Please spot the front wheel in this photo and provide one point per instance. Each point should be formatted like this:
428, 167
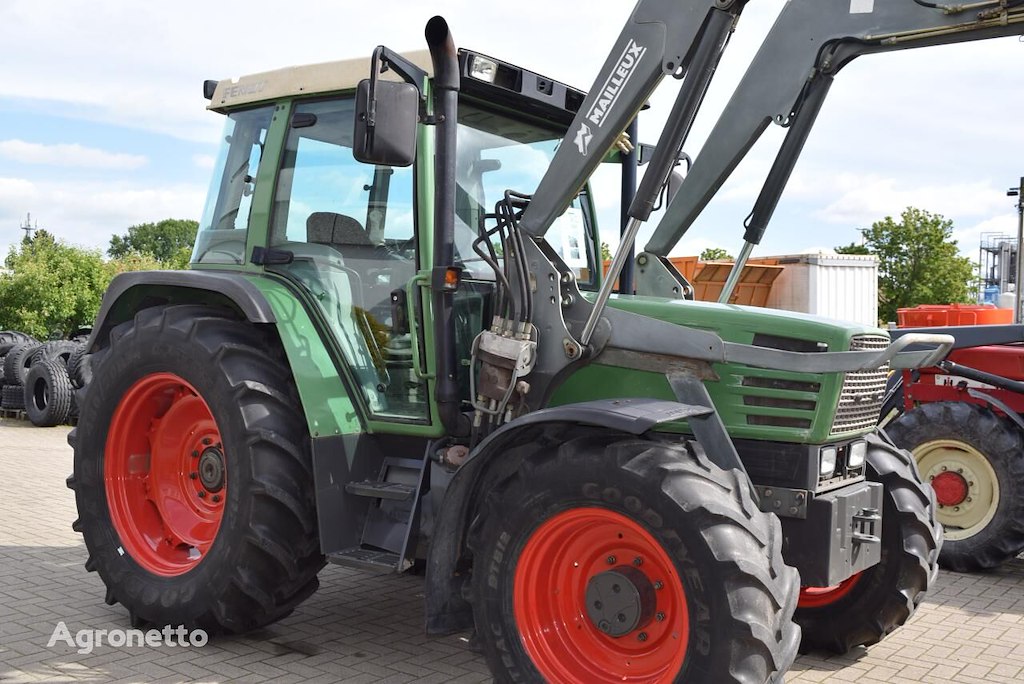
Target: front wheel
869, 605
192, 473
610, 559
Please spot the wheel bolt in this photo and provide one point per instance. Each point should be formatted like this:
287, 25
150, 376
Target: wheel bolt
642, 636
202, 494
621, 617
195, 454
959, 470
944, 468
638, 561
931, 477
970, 484
598, 605
611, 560
969, 499
604, 625
941, 506
956, 508
660, 617
207, 441
193, 475
216, 498
658, 585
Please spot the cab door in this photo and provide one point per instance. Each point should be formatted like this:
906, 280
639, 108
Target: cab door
352, 230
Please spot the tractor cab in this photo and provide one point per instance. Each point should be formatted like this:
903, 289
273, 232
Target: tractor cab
355, 238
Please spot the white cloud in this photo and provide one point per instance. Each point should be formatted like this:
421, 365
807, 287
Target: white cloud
69, 155
863, 199
88, 214
204, 161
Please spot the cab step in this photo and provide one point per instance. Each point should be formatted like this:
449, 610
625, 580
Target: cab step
375, 489
378, 560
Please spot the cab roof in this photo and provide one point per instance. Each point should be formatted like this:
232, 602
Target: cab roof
310, 79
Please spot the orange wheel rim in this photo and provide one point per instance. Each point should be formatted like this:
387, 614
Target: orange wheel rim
577, 555
165, 474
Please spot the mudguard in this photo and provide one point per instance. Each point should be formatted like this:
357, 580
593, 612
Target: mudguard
447, 610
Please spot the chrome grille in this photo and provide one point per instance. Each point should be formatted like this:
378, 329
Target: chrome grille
861, 398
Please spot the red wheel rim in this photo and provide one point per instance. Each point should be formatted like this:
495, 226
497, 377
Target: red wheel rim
549, 601
950, 488
816, 597
161, 436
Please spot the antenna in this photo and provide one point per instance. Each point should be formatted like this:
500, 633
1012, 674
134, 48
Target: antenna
27, 226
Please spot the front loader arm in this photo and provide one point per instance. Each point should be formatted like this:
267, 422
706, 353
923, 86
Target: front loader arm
660, 38
790, 75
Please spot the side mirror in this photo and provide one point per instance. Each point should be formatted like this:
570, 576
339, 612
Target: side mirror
387, 114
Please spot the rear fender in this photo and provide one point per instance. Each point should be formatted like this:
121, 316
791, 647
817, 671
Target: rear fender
447, 610
130, 292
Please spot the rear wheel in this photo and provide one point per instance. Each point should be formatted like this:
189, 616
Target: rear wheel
974, 460
632, 560
866, 607
193, 475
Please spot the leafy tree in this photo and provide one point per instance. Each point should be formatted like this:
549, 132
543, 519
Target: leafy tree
918, 262
853, 248
606, 252
169, 241
55, 287
715, 254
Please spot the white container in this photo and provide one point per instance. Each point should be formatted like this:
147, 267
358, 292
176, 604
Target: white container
840, 286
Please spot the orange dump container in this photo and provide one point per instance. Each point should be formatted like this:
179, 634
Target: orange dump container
932, 315
753, 288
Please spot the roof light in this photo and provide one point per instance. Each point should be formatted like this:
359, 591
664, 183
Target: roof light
483, 69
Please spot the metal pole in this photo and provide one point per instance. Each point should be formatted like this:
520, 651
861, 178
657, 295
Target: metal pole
629, 164
1018, 192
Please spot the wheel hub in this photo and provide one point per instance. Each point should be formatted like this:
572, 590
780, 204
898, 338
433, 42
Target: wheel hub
950, 488
620, 600
211, 469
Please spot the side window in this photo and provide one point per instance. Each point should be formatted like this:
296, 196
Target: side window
351, 227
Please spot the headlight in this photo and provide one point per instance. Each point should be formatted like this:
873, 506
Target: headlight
483, 69
827, 463
858, 452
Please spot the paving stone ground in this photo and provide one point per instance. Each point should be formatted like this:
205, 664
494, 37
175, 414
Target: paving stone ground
368, 628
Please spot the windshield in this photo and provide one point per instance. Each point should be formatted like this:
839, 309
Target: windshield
495, 154
222, 231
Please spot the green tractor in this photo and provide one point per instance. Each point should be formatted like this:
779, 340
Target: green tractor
383, 357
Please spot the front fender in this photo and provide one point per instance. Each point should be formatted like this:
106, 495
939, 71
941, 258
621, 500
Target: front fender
447, 610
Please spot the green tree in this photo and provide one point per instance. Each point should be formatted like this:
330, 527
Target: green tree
715, 254
918, 262
606, 252
169, 241
51, 286
853, 248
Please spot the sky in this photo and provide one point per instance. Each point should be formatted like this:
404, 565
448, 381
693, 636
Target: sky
103, 124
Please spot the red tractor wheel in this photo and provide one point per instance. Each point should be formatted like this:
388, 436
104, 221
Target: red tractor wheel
193, 473
608, 558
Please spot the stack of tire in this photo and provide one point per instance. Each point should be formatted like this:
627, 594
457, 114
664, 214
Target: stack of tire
37, 377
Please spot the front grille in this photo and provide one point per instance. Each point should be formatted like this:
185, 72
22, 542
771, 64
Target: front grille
861, 398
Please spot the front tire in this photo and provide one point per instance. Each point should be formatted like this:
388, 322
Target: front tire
869, 605
193, 473
707, 594
975, 462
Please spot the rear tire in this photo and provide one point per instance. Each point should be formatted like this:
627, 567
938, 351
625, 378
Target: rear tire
864, 609
975, 460
579, 505
48, 394
191, 389
12, 397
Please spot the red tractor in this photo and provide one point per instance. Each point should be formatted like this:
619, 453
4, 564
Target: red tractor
962, 421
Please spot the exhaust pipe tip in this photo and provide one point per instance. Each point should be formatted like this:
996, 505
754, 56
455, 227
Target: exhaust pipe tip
442, 53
